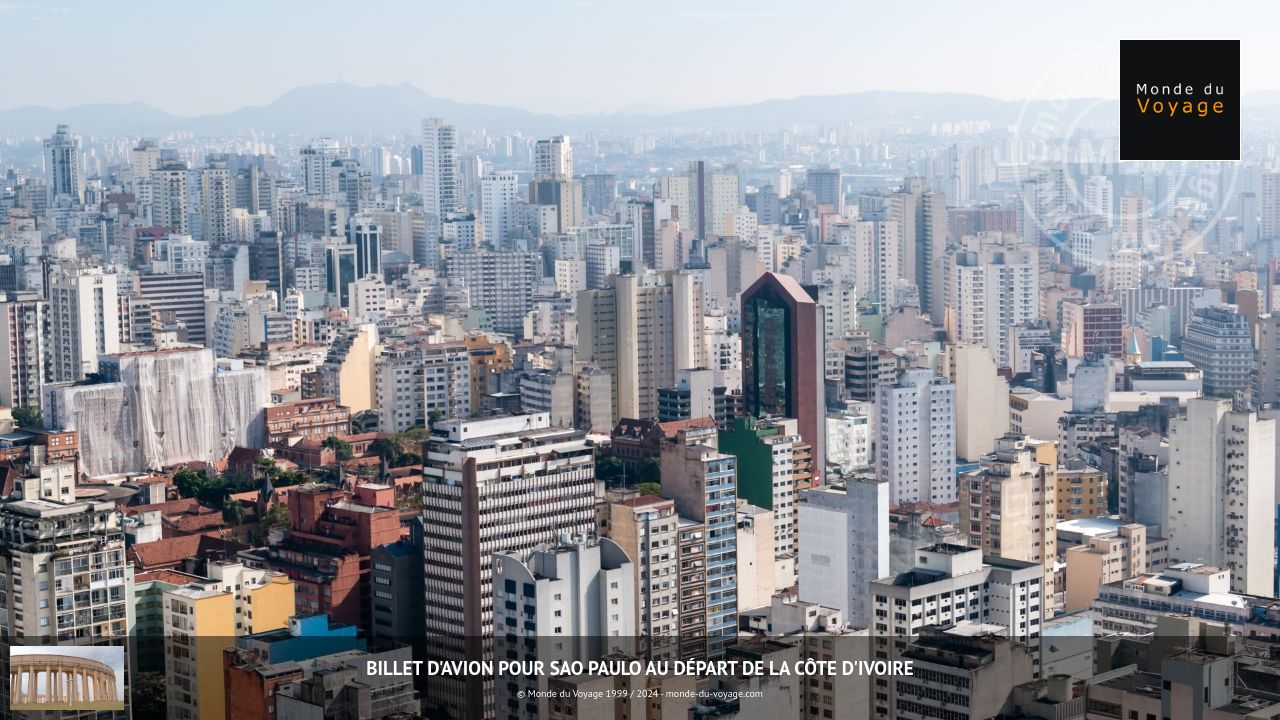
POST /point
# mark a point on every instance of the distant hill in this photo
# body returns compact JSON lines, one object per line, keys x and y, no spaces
{"x":342,"y":109}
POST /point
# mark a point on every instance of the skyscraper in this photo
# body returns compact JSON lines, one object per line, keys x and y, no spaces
{"x":824,"y":183}
{"x":366,"y":236}
{"x":498,"y":195}
{"x":84,"y":321}
{"x":169,"y":202}
{"x":217,"y":196}
{"x":992,"y":288}
{"x":782,"y":357}
{"x":501,"y":484}
{"x":62,"y":159}
{"x":922,"y":230}
{"x":703,"y":483}
{"x":439,"y":173}
{"x":24,"y":367}
{"x":1219,"y":342}
{"x":916,"y":450}
{"x":642,"y":330}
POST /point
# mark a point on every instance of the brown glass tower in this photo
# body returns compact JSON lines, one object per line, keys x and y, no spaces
{"x":782,"y":358}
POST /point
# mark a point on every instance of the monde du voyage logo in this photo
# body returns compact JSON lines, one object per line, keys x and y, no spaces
{"x":1179,"y":99}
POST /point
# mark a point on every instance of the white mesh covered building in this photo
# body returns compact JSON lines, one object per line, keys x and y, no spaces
{"x":158,"y":408}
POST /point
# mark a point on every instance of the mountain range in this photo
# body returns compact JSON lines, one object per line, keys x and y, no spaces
{"x":345,"y":109}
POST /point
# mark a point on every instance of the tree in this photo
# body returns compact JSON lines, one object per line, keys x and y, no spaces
{"x":28,"y":417}
{"x":651,"y":471}
{"x":609,"y":469}
{"x":648,"y":488}
{"x":277,"y":516}
{"x":233,"y":512}
{"x":341,"y":448}
{"x":147,"y":694}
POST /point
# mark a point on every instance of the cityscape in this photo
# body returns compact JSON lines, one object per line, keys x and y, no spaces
{"x":886,"y":403}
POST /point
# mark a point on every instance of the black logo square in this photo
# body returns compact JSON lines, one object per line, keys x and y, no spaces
{"x":1179,"y":99}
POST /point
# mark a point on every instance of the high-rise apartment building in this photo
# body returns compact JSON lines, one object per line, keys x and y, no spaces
{"x":553,"y":157}
{"x":1221,"y":508}
{"x":992,"y":288}
{"x":416,"y":384}
{"x":62,"y":161}
{"x":170,"y":203}
{"x":1218,"y":340}
{"x":499,"y":193}
{"x":921,"y":219}
{"x":642,"y":330}
{"x":578,"y":594}
{"x":217,"y":197}
{"x":916,"y":448}
{"x":1008,"y":506}
{"x":500,"y":484}
{"x":702,"y":482}
{"x":950,"y":584}
{"x":500,"y":284}
{"x":84,"y":321}
{"x":176,"y":297}
{"x":783,"y":356}
{"x":24,"y":348}
{"x":440,"y":192}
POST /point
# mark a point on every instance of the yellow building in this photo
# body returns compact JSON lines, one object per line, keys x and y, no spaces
{"x":1082,"y":493}
{"x":203,"y":618}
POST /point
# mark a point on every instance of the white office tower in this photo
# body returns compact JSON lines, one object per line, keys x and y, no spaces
{"x":317,"y":166}
{"x":916,"y":452}
{"x":499,"y":193}
{"x":993,"y":287}
{"x":1221,"y":503}
{"x":1099,"y":198}
{"x":578,"y":593}
{"x":157,"y":409}
{"x":641,"y":330}
{"x":84,"y":321}
{"x":498,"y":484}
{"x":982,"y":399}
{"x":844,"y":545}
{"x":439,"y":174}
{"x":1269,"y":207}
{"x":62,"y":161}
{"x":24,"y":366}
{"x":216,"y":198}
{"x":553,"y":158}
{"x":873,"y":256}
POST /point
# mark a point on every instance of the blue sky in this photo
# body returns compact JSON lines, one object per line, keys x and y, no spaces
{"x":578,"y":56}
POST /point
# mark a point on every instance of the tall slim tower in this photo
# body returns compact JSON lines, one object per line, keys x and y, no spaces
{"x":782,"y":357}
{"x":84,"y":321}
{"x":62,"y":158}
{"x":916,"y":448}
{"x":504,"y":484}
{"x":439,"y":173}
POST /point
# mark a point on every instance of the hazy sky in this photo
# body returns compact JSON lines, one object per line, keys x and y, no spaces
{"x":576,"y":56}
